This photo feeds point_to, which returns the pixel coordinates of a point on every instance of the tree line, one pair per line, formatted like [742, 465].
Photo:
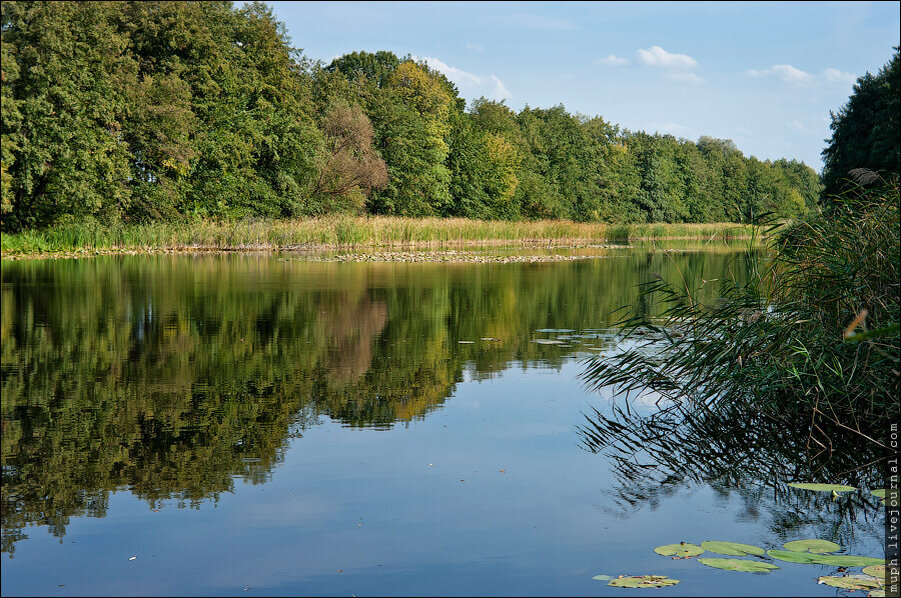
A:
[143, 111]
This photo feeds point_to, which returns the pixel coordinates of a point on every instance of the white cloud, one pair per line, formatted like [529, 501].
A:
[469, 84]
[657, 56]
[460, 77]
[474, 46]
[500, 91]
[685, 77]
[837, 76]
[784, 72]
[611, 60]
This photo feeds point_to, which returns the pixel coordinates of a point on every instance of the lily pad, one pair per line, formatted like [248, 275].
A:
[643, 581]
[732, 548]
[816, 546]
[878, 493]
[793, 556]
[823, 487]
[847, 560]
[547, 341]
[681, 550]
[555, 330]
[849, 583]
[880, 593]
[603, 577]
[739, 565]
[877, 571]
[835, 560]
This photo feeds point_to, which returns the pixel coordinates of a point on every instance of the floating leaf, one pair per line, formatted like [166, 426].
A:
[546, 341]
[878, 493]
[880, 593]
[817, 546]
[846, 560]
[603, 577]
[739, 565]
[849, 583]
[792, 556]
[681, 550]
[877, 571]
[555, 330]
[643, 581]
[823, 487]
[732, 548]
[835, 560]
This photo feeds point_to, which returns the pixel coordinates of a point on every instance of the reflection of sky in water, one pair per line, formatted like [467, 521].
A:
[486, 491]
[419, 509]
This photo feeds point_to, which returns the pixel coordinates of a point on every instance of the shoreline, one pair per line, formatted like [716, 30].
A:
[361, 235]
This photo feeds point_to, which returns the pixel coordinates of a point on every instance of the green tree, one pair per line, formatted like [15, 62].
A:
[63, 146]
[866, 130]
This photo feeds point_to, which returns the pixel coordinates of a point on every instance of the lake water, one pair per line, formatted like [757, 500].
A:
[242, 424]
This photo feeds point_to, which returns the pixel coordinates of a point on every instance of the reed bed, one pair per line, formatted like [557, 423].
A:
[341, 232]
[812, 340]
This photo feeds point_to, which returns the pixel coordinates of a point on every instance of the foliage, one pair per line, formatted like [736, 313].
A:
[866, 130]
[165, 111]
[785, 345]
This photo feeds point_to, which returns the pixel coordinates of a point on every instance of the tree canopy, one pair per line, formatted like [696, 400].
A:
[143, 111]
[865, 132]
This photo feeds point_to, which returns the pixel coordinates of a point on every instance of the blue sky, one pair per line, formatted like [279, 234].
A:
[764, 74]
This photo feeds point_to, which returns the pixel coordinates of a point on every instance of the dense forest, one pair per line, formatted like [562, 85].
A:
[149, 111]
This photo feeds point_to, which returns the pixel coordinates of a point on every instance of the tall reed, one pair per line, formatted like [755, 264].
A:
[342, 231]
[813, 335]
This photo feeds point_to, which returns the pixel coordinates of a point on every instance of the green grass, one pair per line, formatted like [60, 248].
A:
[341, 231]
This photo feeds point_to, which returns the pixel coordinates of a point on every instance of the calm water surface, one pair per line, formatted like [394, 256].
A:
[264, 425]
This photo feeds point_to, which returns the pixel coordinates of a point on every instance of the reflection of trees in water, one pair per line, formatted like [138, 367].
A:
[748, 454]
[172, 376]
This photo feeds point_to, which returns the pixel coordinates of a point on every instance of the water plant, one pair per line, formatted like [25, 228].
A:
[681, 550]
[739, 565]
[732, 548]
[643, 581]
[813, 337]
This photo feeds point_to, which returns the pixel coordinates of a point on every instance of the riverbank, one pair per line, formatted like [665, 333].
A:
[335, 232]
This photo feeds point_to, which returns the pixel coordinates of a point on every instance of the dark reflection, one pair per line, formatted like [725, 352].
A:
[171, 376]
[736, 451]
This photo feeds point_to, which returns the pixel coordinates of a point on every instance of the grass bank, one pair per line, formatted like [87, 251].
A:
[342, 231]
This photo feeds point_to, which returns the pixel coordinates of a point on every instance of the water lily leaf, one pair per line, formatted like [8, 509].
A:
[643, 581]
[849, 583]
[846, 560]
[792, 556]
[555, 330]
[547, 341]
[877, 571]
[732, 548]
[878, 493]
[817, 546]
[835, 560]
[739, 565]
[880, 593]
[823, 487]
[681, 550]
[603, 577]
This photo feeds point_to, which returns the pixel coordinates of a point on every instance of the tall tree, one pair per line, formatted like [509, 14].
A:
[866, 130]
